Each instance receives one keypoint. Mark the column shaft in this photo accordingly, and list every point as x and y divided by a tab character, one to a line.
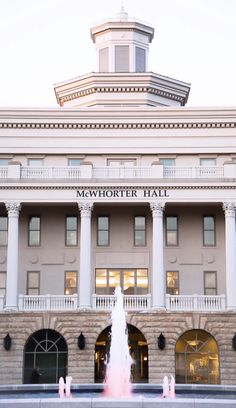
12	256
230	253
85	256
158	272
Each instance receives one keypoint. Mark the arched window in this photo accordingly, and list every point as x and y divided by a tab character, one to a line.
197	360
46	352
138	351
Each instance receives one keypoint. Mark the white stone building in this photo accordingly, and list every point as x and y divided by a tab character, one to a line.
120	185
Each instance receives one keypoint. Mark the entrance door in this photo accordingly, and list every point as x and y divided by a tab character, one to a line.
138	351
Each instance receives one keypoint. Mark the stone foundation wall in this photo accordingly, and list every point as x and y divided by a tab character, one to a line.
81	362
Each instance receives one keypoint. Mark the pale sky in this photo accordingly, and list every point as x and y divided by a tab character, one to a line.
44	42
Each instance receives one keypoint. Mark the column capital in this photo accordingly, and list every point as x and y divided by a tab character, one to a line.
13	208
229	209
157	208
85	209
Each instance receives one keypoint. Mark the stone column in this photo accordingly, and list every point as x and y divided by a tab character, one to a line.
230	254
85	255
13	210
158	280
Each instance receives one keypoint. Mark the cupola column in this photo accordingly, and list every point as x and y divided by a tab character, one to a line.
13	209
158	281
230	253
85	255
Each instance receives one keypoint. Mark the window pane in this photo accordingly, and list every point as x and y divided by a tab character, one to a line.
207	162
210	279
71	238
103	60
3	237
171	238
33	279
114	281
121	58
70	282
102	238
71	223
74	162
140	55
3	223
171	223
33	292
167	162
103	223
4	162
210	292
139	222
209	238
35	162
34	223
2	279
172	282
34	238
140	238
209	223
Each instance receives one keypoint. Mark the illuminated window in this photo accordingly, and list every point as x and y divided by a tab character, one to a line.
171	231
70	282
33	283
210	285
209	230
139	231
3	230
197	360
172	282
34	232
71	231
131	281
3	283
103	231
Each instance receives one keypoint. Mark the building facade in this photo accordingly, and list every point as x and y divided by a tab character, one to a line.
122	184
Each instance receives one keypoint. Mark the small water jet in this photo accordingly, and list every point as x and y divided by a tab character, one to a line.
117	380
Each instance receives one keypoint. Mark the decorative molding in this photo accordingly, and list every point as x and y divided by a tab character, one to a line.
73	187
85	209
150	125
157	208
229	209
13	208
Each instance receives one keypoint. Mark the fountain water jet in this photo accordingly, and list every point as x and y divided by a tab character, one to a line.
117	380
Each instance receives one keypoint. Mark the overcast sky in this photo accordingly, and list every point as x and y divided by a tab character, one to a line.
43	42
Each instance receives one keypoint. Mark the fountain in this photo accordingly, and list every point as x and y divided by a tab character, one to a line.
117	380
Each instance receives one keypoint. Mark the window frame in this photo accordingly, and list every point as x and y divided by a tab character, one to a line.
28	288
206	230
68	230
29	230
106	290
71	287
211	288
5	231
140	229
70	159
100	230
175	287
4	287
171	230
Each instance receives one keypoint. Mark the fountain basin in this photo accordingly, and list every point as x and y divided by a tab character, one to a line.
144	396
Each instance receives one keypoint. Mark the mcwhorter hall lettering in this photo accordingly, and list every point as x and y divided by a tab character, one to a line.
122	193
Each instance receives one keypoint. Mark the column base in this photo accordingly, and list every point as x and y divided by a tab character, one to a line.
11	309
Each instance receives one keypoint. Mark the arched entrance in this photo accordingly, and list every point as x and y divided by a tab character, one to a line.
197	359
138	351
46	351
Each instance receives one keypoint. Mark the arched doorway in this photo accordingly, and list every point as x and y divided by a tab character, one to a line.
138	351
46	351
197	359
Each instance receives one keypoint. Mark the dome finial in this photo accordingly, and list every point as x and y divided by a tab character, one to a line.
122	15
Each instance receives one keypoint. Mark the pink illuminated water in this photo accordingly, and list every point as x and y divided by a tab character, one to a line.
117	381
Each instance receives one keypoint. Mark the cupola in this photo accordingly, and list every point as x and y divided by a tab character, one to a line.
122	44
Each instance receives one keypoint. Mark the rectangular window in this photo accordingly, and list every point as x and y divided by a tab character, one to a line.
171	231
121	58
74	162
167	161
140	59
209	230
207	162
103	231
4	162
35	162
3	276
70	282
139	231
210	284
34	232
172	282
131	281
3	230
71	231
103	60
33	283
